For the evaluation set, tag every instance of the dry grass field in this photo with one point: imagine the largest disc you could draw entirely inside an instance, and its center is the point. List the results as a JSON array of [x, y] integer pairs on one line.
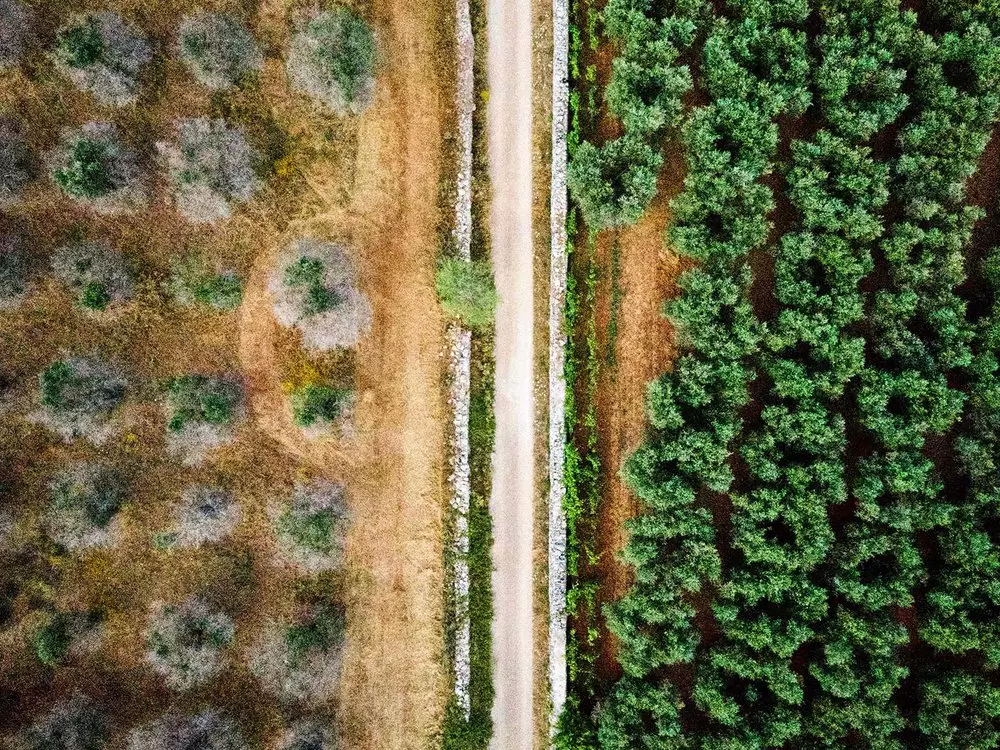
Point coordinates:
[[370, 181]]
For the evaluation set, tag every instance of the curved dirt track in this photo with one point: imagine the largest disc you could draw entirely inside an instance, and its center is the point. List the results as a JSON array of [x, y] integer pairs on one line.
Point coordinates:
[[510, 157], [394, 686]]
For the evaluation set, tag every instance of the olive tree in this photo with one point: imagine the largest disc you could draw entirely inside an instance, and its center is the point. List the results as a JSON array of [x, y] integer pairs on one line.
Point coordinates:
[[84, 501], [204, 514], [17, 167], [210, 167], [332, 60], [315, 290], [202, 412], [63, 633], [15, 32], [15, 270], [94, 166], [219, 52], [300, 660], [312, 524], [308, 734], [103, 55], [74, 724], [78, 397], [210, 730], [186, 642], [96, 274]]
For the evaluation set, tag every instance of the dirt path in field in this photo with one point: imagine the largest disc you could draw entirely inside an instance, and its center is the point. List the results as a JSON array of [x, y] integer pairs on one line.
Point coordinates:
[[394, 686], [644, 348], [510, 157]]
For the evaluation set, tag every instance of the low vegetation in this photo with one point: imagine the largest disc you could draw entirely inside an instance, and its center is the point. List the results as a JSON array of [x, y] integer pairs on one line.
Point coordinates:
[[219, 52], [312, 525], [210, 730], [84, 501], [332, 60], [321, 407], [104, 55], [188, 642], [210, 167], [95, 273], [94, 166], [466, 291], [193, 283]]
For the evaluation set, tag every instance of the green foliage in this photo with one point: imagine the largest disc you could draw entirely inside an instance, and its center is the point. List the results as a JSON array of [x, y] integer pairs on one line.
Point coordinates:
[[320, 630], [87, 173], [200, 398], [314, 404], [310, 531], [615, 183], [192, 282], [52, 640], [79, 385], [81, 44], [467, 292], [308, 273]]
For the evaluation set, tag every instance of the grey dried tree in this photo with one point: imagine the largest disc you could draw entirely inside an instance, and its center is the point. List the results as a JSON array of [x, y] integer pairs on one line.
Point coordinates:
[[104, 55], [220, 52]]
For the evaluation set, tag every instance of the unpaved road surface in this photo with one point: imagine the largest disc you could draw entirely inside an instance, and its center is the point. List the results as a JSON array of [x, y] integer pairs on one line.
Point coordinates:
[[509, 126]]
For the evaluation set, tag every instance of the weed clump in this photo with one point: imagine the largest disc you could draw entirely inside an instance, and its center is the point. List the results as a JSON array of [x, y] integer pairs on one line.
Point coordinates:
[[78, 397], [205, 514], [219, 52], [211, 167], [466, 291], [15, 32], [15, 270], [315, 290], [103, 55], [308, 735], [17, 166], [300, 661], [61, 633], [206, 731], [332, 60], [187, 642], [96, 274], [193, 283], [319, 407], [201, 414], [312, 525], [94, 166], [74, 724], [84, 500]]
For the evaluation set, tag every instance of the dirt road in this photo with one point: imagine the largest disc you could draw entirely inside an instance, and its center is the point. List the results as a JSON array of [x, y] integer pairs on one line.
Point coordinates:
[[509, 125]]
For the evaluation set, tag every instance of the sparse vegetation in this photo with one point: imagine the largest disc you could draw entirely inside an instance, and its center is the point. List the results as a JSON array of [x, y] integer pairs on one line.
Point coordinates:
[[54, 639], [187, 642], [192, 282], [467, 292], [201, 413], [78, 396], [211, 167], [312, 525], [84, 500], [204, 514], [316, 406], [15, 270], [308, 735], [75, 724], [332, 60], [315, 291], [16, 164], [96, 274], [219, 52], [15, 32], [94, 166], [104, 55], [210, 730], [300, 661]]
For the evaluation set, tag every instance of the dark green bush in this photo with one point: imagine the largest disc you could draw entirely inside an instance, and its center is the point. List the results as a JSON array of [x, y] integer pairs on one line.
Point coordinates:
[[318, 405]]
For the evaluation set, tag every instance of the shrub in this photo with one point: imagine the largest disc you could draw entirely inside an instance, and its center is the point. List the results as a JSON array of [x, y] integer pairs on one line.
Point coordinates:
[[300, 661], [219, 52], [210, 166], [104, 55], [78, 397], [16, 164], [308, 735], [74, 724], [312, 525], [84, 500], [96, 274], [193, 283], [209, 730], [332, 60], [15, 25], [15, 270], [53, 640], [94, 166], [201, 414], [467, 292], [320, 406], [315, 291], [187, 641], [205, 514]]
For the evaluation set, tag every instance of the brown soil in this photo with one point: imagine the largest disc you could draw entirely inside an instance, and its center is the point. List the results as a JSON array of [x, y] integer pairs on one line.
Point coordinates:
[[644, 349]]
